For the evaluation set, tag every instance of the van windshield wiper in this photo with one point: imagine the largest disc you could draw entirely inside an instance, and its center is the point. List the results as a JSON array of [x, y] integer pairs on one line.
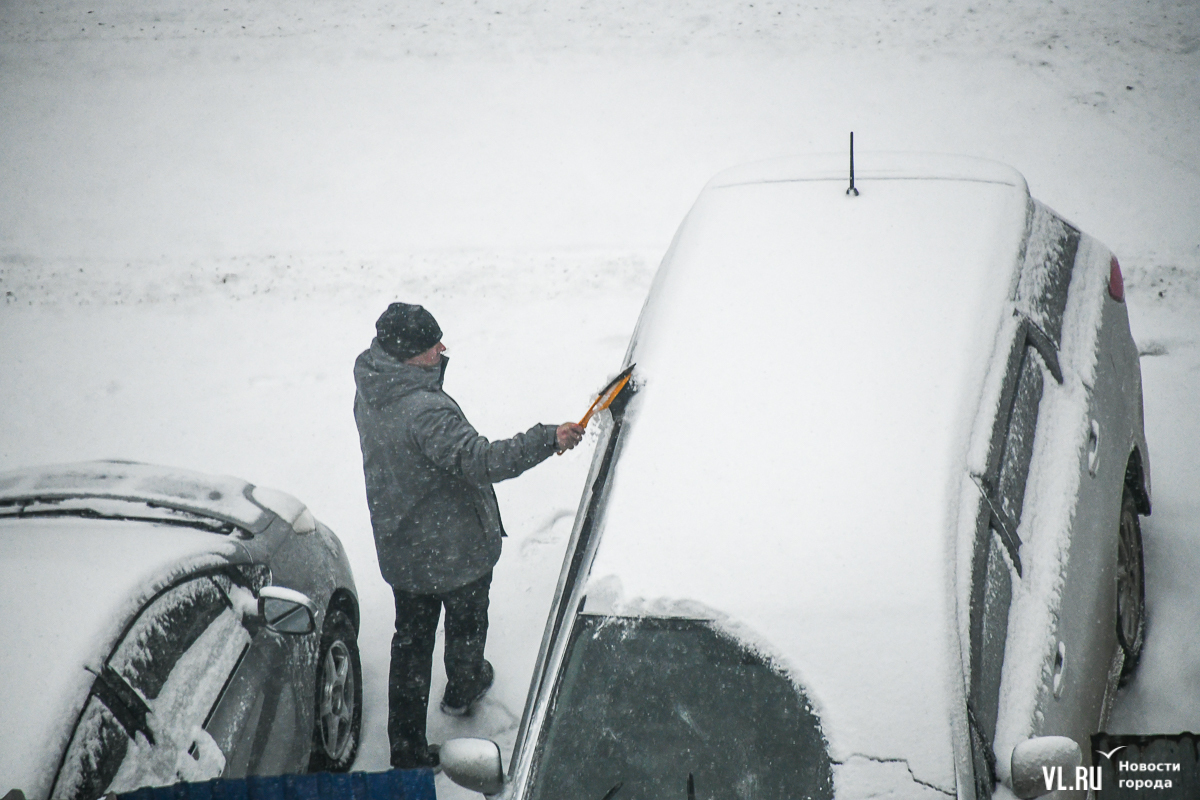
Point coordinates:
[[691, 789]]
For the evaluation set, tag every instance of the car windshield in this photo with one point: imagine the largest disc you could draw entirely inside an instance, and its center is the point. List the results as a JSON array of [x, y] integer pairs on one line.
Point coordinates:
[[110, 508], [646, 702]]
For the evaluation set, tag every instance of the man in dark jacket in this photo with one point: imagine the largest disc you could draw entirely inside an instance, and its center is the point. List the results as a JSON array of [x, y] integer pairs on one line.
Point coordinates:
[[437, 527]]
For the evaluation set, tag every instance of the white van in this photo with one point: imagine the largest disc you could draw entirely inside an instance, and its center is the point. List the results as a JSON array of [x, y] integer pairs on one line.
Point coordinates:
[[866, 522]]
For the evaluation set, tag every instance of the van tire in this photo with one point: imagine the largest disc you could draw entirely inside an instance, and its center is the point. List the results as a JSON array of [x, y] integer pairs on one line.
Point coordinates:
[[1131, 587]]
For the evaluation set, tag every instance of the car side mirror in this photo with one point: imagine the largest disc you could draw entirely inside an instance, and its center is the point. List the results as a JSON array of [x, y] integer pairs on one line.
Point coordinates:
[[285, 610], [1036, 762], [473, 764]]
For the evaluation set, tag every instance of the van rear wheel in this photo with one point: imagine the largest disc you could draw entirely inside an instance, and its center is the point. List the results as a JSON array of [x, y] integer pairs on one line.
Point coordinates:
[[1131, 587]]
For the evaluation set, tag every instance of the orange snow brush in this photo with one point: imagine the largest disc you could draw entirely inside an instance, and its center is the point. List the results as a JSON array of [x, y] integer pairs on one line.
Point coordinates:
[[608, 394]]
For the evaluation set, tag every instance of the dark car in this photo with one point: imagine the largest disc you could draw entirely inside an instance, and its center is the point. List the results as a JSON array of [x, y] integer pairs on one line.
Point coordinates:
[[162, 625], [867, 526]]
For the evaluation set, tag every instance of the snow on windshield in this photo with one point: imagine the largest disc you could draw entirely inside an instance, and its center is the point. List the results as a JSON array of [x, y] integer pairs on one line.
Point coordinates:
[[175, 657], [68, 594], [190, 690]]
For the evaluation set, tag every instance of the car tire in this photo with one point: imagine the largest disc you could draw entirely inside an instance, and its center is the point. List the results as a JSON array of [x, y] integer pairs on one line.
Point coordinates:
[[337, 725], [1131, 587]]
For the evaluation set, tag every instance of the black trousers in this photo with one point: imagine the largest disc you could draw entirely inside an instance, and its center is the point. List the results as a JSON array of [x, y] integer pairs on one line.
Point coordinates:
[[412, 659]]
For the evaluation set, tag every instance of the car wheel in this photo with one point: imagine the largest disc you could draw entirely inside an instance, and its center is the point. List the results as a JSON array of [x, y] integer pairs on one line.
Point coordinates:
[[338, 722], [1131, 587]]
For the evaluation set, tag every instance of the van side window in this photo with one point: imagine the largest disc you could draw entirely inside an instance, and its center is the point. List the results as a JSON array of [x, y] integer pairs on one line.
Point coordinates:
[[1046, 270], [1041, 299]]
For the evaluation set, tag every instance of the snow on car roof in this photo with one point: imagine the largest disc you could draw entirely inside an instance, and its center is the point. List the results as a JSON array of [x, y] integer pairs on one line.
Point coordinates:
[[223, 497], [871, 166], [809, 368]]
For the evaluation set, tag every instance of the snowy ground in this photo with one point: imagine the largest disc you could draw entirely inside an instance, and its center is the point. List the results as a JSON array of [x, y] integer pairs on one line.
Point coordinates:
[[204, 206]]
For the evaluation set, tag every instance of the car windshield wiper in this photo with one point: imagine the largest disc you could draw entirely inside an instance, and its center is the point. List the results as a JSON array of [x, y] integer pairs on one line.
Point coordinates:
[[125, 704], [109, 509], [616, 788]]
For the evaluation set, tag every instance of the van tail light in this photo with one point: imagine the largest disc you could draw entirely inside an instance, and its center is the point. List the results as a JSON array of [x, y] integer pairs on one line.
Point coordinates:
[[1116, 284]]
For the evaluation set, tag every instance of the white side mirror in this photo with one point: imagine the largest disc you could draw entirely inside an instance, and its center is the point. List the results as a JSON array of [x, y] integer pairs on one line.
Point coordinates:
[[285, 610], [473, 764], [1037, 763]]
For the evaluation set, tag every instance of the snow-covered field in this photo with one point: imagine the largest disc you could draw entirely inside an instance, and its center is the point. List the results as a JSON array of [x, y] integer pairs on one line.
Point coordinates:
[[205, 206]]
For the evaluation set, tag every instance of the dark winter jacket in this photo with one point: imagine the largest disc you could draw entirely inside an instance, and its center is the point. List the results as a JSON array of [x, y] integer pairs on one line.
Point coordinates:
[[429, 475]]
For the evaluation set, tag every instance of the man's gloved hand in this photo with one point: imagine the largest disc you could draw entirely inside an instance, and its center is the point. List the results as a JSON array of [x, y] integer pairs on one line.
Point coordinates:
[[568, 435]]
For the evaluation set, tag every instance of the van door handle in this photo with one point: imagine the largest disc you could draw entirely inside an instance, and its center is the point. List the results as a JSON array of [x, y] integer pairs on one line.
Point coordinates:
[[1058, 681], [1093, 451]]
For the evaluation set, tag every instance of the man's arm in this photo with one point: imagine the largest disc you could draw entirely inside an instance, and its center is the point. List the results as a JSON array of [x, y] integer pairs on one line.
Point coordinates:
[[450, 442]]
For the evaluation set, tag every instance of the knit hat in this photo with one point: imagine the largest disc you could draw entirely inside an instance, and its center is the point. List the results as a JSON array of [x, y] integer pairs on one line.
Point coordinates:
[[406, 330]]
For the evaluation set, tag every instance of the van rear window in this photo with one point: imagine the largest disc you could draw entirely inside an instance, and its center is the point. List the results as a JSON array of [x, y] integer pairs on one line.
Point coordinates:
[[644, 702]]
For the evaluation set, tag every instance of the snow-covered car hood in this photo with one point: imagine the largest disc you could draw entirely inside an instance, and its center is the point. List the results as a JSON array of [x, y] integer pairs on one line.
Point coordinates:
[[809, 368], [67, 588]]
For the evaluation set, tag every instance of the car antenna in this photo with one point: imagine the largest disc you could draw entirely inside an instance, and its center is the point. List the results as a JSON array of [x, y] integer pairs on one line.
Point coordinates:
[[852, 191], [691, 787]]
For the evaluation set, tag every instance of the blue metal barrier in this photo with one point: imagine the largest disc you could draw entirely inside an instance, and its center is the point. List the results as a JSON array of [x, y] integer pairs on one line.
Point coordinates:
[[396, 784]]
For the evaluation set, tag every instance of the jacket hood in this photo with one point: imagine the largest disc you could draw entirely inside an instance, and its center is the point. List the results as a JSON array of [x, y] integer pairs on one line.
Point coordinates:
[[382, 379]]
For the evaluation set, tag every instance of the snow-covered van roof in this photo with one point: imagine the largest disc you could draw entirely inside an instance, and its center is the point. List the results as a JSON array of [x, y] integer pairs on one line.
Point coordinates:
[[219, 496], [871, 166], [809, 368]]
